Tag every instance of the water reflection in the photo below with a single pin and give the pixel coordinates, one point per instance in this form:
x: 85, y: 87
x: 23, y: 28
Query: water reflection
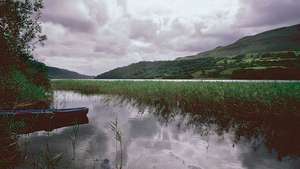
x: 188, y: 136
x: 9, y: 153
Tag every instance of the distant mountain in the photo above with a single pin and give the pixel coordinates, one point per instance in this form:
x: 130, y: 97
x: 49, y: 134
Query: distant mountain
x: 273, y: 54
x: 58, y: 73
x: 282, y: 39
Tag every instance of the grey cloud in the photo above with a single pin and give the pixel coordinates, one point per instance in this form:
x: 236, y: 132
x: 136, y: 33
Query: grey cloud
x: 145, y: 48
x: 144, y: 30
x: 176, y: 37
x: 256, y: 13
x: 186, y: 37
x: 112, y: 47
x: 94, y: 36
x: 84, y: 31
x: 176, y: 29
x: 71, y: 23
x: 112, y: 42
x: 123, y: 4
x: 78, y: 15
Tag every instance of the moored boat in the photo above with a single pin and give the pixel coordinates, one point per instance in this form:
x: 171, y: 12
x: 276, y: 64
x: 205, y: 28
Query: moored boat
x: 44, y: 119
x: 42, y: 112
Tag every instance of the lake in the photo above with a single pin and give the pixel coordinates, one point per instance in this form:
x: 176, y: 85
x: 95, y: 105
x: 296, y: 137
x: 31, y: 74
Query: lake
x: 156, y: 137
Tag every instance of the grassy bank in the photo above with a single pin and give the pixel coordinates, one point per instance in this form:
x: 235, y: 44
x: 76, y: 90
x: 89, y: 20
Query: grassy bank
x: 205, y: 91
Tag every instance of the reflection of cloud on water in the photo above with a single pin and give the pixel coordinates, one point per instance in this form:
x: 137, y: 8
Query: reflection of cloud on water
x: 142, y: 127
x: 184, y: 151
x: 263, y: 159
x: 172, y: 148
x: 150, y: 145
x: 91, y: 145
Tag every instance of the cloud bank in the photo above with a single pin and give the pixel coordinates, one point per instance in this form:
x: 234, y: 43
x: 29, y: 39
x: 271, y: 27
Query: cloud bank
x: 95, y: 36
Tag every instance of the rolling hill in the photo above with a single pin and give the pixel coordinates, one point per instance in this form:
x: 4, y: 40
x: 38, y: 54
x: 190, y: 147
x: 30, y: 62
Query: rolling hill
x: 282, y: 39
x: 273, y: 54
x: 58, y: 73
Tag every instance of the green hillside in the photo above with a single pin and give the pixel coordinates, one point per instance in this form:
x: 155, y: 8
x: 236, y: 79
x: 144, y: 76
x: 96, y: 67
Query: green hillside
x: 281, y: 65
x: 269, y: 55
x: 282, y: 39
x: 57, y: 73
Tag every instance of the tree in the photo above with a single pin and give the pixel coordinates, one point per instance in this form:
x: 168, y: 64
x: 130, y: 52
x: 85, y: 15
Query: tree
x: 22, y: 78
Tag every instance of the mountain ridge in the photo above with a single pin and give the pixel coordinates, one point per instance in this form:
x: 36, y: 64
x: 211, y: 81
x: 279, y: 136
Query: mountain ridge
x: 59, y: 73
x: 259, y: 43
x: 262, y: 56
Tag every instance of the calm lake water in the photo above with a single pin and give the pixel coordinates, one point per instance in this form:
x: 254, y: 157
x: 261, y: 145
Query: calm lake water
x: 149, y: 141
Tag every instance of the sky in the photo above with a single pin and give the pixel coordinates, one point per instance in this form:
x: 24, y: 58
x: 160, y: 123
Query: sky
x: 95, y: 36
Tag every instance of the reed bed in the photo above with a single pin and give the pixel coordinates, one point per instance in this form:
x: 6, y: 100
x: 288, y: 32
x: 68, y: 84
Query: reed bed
x: 206, y: 91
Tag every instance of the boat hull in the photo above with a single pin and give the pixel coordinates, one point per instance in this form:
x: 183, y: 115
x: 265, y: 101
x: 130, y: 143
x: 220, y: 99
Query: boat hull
x: 28, y: 121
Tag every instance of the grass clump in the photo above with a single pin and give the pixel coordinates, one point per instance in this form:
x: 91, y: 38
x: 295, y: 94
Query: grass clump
x: 18, y: 90
x: 26, y: 89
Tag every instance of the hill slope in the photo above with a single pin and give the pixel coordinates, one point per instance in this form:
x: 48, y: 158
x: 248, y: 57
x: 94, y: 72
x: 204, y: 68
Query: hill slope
x: 57, y: 73
x: 280, y: 65
x: 269, y: 55
x: 282, y: 39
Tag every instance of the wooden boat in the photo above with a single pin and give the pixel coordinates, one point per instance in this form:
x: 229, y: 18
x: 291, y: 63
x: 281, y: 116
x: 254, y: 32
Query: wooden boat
x: 28, y: 121
x: 42, y: 112
x: 48, y: 119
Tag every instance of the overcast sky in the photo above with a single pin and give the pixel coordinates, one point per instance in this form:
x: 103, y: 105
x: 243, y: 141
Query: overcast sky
x: 94, y: 36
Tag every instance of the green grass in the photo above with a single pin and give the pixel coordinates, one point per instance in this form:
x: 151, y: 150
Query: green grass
x: 205, y: 91
x: 17, y: 89
x: 27, y: 90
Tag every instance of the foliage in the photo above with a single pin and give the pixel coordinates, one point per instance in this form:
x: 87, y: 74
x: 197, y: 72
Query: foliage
x: 20, y: 27
x: 22, y: 78
x: 25, y: 89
